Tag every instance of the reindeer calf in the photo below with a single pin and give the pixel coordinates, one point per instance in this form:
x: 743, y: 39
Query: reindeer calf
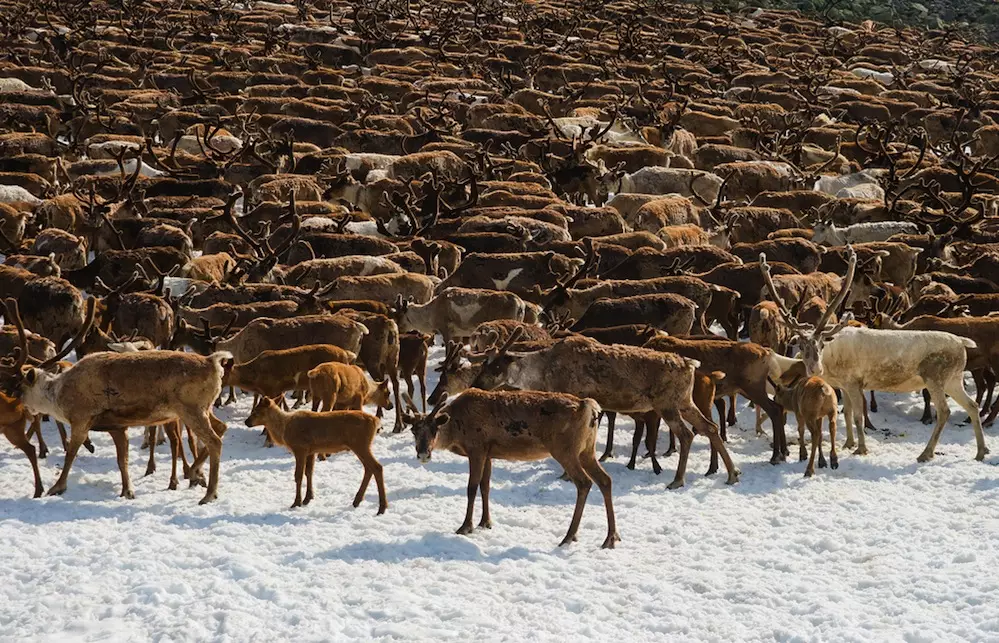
x: 810, y: 399
x: 344, y: 387
x: 307, y: 434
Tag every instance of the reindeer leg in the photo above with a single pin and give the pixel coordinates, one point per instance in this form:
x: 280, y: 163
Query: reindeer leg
x: 397, y: 400
x: 598, y: 475
x: 956, y: 391
x: 943, y: 413
x: 685, y: 436
x: 988, y: 383
x: 609, y: 448
x: 572, y: 466
x: 722, y: 424
x: 652, y: 438
x: 36, y: 428
x: 867, y: 418
x: 874, y: 403
x: 120, y: 437
x: 636, y: 440
x: 487, y: 472
x: 76, y: 437
x: 150, y: 441
x: 17, y: 437
x: 927, y: 417
x: 476, y: 465
x: 173, y: 433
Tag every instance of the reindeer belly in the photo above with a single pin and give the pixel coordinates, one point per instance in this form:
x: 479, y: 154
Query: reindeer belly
x: 894, y: 376
x: 519, y: 444
x: 133, y: 415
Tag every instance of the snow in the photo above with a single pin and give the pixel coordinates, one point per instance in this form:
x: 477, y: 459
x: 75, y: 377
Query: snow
x: 881, y: 549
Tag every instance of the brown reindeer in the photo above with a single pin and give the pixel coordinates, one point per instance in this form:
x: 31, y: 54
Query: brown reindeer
x: 517, y: 425
x: 307, y: 434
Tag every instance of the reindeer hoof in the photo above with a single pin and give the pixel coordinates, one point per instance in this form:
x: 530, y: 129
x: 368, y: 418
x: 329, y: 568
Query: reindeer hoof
x: 656, y: 468
x: 733, y: 477
x: 609, y: 541
x: 381, y: 509
x: 669, y: 452
x: 88, y: 445
x: 630, y: 466
x: 130, y: 495
x: 712, y: 470
x: 209, y: 497
x: 676, y: 484
x: 809, y: 473
x: 834, y: 462
x: 486, y: 524
x: 606, y: 456
x: 307, y: 500
x: 173, y: 485
x: 981, y: 455
x: 149, y: 471
x: 43, y: 453
x: 860, y: 451
x: 926, y: 420
x: 56, y: 491
x: 925, y: 457
x: 464, y: 530
x: 567, y: 540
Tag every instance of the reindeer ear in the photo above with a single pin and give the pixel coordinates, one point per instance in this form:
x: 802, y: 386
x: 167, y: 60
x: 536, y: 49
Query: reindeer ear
x: 441, y: 419
x: 30, y: 376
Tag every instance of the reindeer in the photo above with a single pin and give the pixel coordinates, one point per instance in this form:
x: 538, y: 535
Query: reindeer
x: 517, y: 425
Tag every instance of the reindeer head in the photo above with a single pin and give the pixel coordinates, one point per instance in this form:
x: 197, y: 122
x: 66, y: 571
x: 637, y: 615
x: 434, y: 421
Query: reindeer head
x: 261, y: 411
x: 425, y: 427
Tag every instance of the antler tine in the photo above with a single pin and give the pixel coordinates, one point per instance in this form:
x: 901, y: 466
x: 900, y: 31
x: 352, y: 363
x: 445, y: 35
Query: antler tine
x: 510, y: 341
x: 789, y: 319
x: 840, y: 325
x: 231, y: 218
x: 408, y: 399
x: 851, y: 271
x: 437, y: 407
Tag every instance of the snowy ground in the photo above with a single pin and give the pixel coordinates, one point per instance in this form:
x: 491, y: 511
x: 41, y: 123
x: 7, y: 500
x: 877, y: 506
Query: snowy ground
x: 881, y: 549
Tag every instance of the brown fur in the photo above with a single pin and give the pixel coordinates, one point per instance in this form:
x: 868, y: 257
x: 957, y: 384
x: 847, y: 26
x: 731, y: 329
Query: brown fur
x: 342, y: 387
x: 519, y: 425
x: 273, y: 372
x: 133, y: 389
x: 307, y: 434
x: 811, y: 399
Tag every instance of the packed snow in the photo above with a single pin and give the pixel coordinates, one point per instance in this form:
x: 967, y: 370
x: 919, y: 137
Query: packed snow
x: 881, y: 549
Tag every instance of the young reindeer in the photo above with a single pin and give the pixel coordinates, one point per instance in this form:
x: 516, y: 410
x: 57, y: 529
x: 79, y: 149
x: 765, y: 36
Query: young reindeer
x: 810, y: 399
x: 899, y: 361
x: 517, y: 425
x: 307, y: 434
x: 344, y: 387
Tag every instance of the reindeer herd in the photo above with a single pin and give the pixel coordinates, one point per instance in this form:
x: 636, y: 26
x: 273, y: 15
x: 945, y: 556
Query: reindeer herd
x: 601, y: 208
